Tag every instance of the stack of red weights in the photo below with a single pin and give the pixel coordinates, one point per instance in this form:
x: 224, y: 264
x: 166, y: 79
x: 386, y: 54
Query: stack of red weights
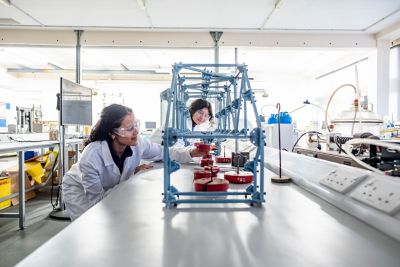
x: 211, y: 185
x: 221, y: 159
x: 207, y: 160
x: 240, y: 177
x: 206, y: 172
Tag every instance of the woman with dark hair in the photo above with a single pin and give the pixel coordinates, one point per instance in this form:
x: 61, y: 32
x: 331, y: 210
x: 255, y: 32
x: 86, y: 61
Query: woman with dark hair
x: 201, y: 114
x: 112, y: 154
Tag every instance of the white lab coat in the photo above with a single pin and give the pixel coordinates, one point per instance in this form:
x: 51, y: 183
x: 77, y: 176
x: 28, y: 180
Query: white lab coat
x: 156, y: 137
x: 93, y: 177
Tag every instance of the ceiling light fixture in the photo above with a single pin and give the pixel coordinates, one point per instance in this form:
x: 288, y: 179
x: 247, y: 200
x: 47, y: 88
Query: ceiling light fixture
x: 5, y: 2
x: 8, y: 21
x: 141, y: 4
x: 279, y: 3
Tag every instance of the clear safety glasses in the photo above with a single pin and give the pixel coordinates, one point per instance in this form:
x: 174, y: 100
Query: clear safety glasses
x: 127, y: 131
x: 203, y: 114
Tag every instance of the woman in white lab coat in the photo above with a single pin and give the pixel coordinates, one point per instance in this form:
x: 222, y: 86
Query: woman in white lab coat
x: 201, y: 115
x: 111, y: 156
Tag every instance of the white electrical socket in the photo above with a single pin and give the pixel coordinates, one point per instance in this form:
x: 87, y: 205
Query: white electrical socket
x: 381, y: 194
x: 342, y: 180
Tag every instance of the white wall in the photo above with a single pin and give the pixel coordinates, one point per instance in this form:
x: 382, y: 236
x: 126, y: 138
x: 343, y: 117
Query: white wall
x: 394, y: 92
x: 26, y: 93
x: 143, y: 97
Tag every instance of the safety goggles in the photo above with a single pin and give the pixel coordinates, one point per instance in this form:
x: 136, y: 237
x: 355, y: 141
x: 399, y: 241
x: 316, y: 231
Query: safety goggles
x: 203, y: 114
x: 127, y: 131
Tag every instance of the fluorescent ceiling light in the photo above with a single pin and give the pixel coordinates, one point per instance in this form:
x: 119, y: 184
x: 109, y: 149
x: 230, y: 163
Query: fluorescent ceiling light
x: 141, y: 4
x: 8, y: 21
x: 163, y: 70
x: 279, y: 3
x: 5, y: 2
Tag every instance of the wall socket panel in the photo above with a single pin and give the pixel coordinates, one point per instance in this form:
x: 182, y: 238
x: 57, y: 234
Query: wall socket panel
x: 381, y: 194
x: 342, y: 180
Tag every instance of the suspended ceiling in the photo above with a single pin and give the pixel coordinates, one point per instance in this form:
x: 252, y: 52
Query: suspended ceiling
x: 363, y: 16
x: 160, y: 24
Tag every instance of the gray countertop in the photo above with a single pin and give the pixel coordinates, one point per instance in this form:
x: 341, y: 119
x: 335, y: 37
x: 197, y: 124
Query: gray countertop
x: 131, y: 227
x: 27, y: 145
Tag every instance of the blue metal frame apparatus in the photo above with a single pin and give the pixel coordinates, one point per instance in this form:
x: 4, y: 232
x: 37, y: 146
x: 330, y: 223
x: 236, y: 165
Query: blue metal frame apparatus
x: 192, y: 81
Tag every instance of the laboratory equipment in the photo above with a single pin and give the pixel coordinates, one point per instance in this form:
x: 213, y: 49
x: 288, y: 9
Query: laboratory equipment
x: 369, y: 196
x: 288, y: 134
x: 211, y: 185
x: 357, y: 119
x: 223, y: 158
x: 24, y: 120
x: 230, y: 91
x: 239, y: 177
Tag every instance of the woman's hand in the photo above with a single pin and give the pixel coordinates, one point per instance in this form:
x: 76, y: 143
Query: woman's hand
x: 195, y: 152
x: 143, y: 167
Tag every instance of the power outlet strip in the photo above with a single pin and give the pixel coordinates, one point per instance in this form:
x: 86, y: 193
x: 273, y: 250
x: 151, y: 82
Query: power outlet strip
x: 381, y: 194
x: 342, y: 180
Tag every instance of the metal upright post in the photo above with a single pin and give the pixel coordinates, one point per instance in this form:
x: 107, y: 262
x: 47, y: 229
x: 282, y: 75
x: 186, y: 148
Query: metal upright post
x: 235, y: 96
x: 60, y: 212
x: 78, y: 64
x: 21, y: 196
x: 216, y: 36
x: 280, y: 178
x: 78, y: 56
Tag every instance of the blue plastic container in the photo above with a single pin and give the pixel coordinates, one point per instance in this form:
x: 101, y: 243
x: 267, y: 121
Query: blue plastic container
x: 29, y: 154
x: 284, y: 118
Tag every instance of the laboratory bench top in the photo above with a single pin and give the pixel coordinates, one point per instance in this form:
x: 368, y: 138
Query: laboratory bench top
x: 132, y: 227
x: 27, y: 145
x: 20, y: 146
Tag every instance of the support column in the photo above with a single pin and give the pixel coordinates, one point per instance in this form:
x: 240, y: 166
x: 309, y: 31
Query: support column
x: 382, y: 79
x: 216, y: 36
x: 235, y: 96
x: 60, y: 212
x: 78, y: 56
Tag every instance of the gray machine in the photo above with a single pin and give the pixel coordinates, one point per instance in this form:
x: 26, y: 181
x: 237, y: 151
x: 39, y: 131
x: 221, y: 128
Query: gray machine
x: 24, y: 120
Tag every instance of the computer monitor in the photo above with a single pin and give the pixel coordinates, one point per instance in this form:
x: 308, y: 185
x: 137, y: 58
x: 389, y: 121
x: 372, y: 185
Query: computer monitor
x: 150, y: 125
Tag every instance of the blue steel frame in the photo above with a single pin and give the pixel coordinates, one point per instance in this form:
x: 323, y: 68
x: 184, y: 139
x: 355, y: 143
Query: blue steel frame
x: 199, y: 81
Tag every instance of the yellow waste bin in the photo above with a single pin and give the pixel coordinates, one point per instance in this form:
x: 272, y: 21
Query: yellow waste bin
x: 5, y: 190
x: 35, y: 170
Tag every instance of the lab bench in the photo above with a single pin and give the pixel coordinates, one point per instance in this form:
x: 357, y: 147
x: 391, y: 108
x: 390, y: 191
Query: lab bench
x: 20, y: 148
x: 132, y: 227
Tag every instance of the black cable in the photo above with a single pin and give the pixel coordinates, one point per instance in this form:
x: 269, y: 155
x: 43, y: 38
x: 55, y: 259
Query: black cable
x: 55, y: 204
x: 339, y: 145
x: 318, y: 143
x: 339, y: 140
x: 309, y: 132
x: 342, y: 139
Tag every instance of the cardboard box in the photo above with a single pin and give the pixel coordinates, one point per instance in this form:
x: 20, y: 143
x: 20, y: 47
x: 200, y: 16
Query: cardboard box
x: 71, y: 158
x: 5, y: 190
x: 14, y: 176
x: 51, y: 163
